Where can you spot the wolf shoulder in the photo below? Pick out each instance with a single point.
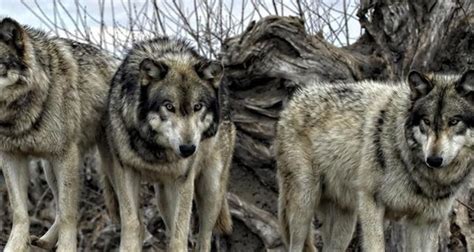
(323, 101)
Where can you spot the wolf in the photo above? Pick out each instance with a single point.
(374, 151)
(165, 125)
(53, 94)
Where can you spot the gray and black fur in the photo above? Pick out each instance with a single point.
(402, 151)
(164, 126)
(52, 97)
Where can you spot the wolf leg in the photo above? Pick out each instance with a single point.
(298, 194)
(371, 219)
(66, 171)
(338, 226)
(166, 204)
(48, 240)
(15, 171)
(210, 190)
(106, 170)
(422, 237)
(184, 189)
(127, 187)
(300, 211)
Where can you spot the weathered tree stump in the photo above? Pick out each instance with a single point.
(275, 55)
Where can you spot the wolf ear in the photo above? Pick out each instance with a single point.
(420, 85)
(12, 34)
(465, 84)
(211, 71)
(152, 70)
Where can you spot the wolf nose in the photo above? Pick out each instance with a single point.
(187, 149)
(434, 161)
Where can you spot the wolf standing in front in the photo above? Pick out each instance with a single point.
(164, 126)
(52, 96)
(399, 151)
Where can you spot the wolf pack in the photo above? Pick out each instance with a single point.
(346, 153)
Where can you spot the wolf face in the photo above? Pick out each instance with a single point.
(179, 103)
(443, 116)
(11, 52)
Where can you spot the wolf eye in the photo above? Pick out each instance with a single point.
(197, 107)
(453, 122)
(426, 121)
(169, 106)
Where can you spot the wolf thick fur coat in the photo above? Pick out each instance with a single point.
(373, 150)
(53, 94)
(164, 125)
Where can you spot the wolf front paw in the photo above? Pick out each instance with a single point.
(41, 243)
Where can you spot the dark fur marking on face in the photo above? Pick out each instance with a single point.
(379, 154)
(149, 151)
(145, 105)
(13, 62)
(438, 121)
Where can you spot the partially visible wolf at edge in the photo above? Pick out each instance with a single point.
(53, 94)
(165, 124)
(401, 151)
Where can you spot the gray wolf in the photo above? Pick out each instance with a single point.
(53, 94)
(164, 125)
(400, 151)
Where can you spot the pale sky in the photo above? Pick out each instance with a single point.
(16, 9)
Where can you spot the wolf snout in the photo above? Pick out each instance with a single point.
(187, 150)
(434, 161)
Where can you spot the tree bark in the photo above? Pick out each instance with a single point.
(275, 55)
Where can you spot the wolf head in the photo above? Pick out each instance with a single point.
(179, 101)
(442, 116)
(12, 48)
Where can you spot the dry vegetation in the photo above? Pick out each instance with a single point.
(264, 61)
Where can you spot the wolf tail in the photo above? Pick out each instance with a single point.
(224, 220)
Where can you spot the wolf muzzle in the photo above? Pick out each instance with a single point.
(187, 150)
(434, 161)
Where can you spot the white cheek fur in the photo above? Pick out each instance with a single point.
(8, 81)
(451, 147)
(166, 131)
(470, 138)
(206, 122)
(423, 140)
